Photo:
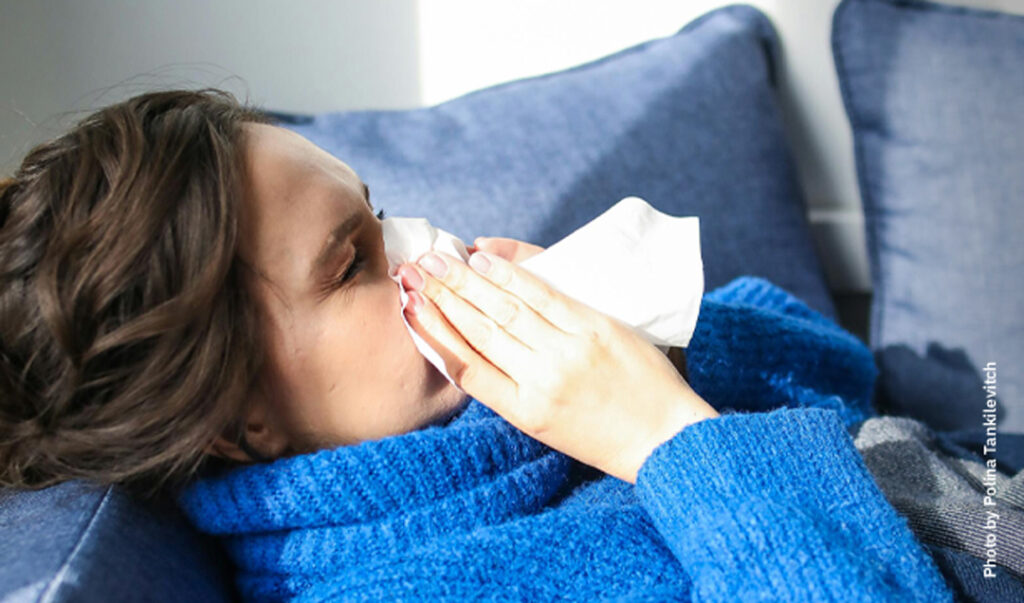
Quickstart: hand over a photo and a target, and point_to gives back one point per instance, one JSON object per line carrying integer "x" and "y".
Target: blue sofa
{"x": 83, "y": 542}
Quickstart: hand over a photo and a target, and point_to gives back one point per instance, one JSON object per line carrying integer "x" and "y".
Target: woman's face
{"x": 340, "y": 366}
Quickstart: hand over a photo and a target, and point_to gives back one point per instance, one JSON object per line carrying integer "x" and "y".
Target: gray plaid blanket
{"x": 953, "y": 503}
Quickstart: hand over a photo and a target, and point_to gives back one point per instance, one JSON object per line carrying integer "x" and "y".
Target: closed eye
{"x": 357, "y": 264}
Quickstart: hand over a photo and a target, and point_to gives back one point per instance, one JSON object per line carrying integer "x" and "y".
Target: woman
{"x": 196, "y": 301}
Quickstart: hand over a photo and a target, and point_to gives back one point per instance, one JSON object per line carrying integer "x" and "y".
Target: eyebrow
{"x": 338, "y": 236}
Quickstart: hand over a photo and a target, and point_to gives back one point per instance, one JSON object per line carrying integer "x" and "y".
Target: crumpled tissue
{"x": 633, "y": 263}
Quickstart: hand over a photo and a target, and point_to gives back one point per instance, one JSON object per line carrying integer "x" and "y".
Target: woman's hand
{"x": 560, "y": 371}
{"x": 517, "y": 251}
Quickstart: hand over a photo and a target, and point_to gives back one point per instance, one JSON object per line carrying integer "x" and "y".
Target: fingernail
{"x": 415, "y": 303}
{"x": 480, "y": 263}
{"x": 433, "y": 264}
{"x": 411, "y": 279}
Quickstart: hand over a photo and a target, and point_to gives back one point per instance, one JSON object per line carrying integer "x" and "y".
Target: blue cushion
{"x": 690, "y": 123}
{"x": 935, "y": 96}
{"x": 79, "y": 542}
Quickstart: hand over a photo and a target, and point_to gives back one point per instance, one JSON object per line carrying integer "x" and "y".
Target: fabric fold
{"x": 369, "y": 481}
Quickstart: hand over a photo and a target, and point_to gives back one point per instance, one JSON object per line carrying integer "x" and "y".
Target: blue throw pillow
{"x": 689, "y": 122}
{"x": 935, "y": 96}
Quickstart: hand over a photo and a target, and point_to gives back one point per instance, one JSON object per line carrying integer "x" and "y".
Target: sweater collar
{"x": 446, "y": 470}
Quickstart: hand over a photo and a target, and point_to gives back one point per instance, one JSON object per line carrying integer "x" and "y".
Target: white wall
{"x": 317, "y": 55}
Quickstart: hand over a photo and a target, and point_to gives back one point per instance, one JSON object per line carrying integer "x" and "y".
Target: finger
{"x": 560, "y": 310}
{"x": 512, "y": 250}
{"x": 506, "y": 310}
{"x": 501, "y": 247}
{"x": 470, "y": 371}
{"x": 490, "y": 340}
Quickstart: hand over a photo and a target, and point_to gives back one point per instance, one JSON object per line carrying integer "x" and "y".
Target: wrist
{"x": 690, "y": 410}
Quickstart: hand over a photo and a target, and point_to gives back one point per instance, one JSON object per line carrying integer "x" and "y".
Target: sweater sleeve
{"x": 780, "y": 506}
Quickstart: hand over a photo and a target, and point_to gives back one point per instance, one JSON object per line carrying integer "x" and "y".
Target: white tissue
{"x": 633, "y": 263}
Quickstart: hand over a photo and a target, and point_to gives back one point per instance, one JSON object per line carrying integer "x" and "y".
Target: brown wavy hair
{"x": 127, "y": 340}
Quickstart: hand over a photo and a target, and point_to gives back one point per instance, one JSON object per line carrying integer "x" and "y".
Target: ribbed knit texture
{"x": 769, "y": 505}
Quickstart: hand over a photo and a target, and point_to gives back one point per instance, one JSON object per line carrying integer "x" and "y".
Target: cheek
{"x": 365, "y": 351}
{"x": 376, "y": 328}
{"x": 292, "y": 369}
{"x": 390, "y": 314}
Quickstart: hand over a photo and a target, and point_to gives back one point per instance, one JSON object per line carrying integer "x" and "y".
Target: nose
{"x": 406, "y": 239}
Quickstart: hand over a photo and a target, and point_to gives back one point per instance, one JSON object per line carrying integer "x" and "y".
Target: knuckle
{"x": 507, "y": 312}
{"x": 601, "y": 335}
{"x": 502, "y": 274}
{"x": 543, "y": 298}
{"x": 588, "y": 341}
{"x": 456, "y": 277}
{"x": 442, "y": 297}
{"x": 541, "y": 302}
{"x": 479, "y": 334}
{"x": 595, "y": 338}
{"x": 584, "y": 351}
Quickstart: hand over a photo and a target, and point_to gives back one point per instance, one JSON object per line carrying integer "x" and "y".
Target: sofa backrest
{"x": 82, "y": 542}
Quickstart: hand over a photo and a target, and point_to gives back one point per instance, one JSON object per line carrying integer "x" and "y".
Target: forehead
{"x": 295, "y": 194}
{"x": 281, "y": 161}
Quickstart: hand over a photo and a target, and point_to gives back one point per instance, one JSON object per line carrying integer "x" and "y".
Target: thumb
{"x": 510, "y": 250}
{"x": 501, "y": 247}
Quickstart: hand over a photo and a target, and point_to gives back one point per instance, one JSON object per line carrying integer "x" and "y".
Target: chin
{"x": 448, "y": 399}
{"x": 436, "y": 382}
{"x": 461, "y": 400}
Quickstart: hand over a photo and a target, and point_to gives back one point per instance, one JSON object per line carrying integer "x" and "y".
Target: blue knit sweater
{"x": 769, "y": 501}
